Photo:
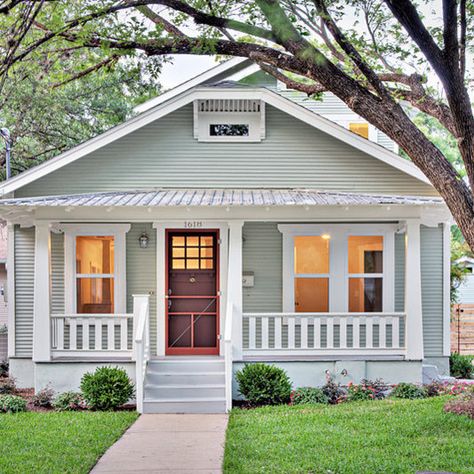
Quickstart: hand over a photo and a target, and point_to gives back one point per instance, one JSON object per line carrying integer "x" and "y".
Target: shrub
{"x": 460, "y": 366}
{"x": 367, "y": 390}
{"x": 305, "y": 395}
{"x": 334, "y": 392}
{"x": 461, "y": 407}
{"x": 435, "y": 389}
{"x": 7, "y": 385}
{"x": 263, "y": 384}
{"x": 44, "y": 398}
{"x": 68, "y": 401}
{"x": 4, "y": 367}
{"x": 409, "y": 391}
{"x": 12, "y": 404}
{"x": 107, "y": 388}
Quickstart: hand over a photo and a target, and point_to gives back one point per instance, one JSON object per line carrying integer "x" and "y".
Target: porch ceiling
{"x": 219, "y": 198}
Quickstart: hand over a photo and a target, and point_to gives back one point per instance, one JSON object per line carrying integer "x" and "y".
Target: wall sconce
{"x": 143, "y": 240}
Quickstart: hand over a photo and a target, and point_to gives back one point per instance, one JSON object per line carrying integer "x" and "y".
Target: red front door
{"x": 192, "y": 292}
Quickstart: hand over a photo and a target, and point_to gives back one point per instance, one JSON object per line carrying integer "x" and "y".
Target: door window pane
{"x": 365, "y": 254}
{"x": 94, "y": 254}
{"x": 311, "y": 255}
{"x": 311, "y": 295}
{"x": 95, "y": 295}
{"x": 365, "y": 295}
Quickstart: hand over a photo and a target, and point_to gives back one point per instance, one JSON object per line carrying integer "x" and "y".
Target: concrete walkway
{"x": 168, "y": 443}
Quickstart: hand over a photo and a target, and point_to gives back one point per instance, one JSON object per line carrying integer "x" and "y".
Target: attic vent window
{"x": 229, "y": 120}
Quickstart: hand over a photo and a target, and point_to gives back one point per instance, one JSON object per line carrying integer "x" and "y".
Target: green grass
{"x": 389, "y": 436}
{"x": 58, "y": 442}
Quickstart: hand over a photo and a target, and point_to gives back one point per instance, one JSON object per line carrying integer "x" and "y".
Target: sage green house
{"x": 229, "y": 221}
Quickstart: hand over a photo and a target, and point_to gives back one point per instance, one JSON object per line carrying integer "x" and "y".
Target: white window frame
{"x": 118, "y": 232}
{"x": 338, "y": 261}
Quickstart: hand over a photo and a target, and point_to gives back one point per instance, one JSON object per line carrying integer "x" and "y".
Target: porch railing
{"x": 324, "y": 333}
{"x": 92, "y": 333}
{"x": 141, "y": 313}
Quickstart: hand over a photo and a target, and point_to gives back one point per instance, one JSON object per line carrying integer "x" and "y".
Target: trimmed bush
{"x": 311, "y": 395}
{"x": 7, "y": 385}
{"x": 44, "y": 398}
{"x": 409, "y": 391}
{"x": 12, "y": 404}
{"x": 367, "y": 390}
{"x": 107, "y": 388}
{"x": 263, "y": 384}
{"x": 4, "y": 367}
{"x": 69, "y": 401}
{"x": 460, "y": 366}
{"x": 434, "y": 389}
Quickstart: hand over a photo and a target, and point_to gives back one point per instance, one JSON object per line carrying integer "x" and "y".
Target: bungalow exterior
{"x": 230, "y": 221}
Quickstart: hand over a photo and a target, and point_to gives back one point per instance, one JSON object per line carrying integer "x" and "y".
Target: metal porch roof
{"x": 220, "y": 197}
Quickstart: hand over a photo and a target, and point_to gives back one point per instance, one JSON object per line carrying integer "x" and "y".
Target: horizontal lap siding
{"x": 141, "y": 272}
{"x": 24, "y": 282}
{"x": 57, "y": 273}
{"x": 165, "y": 154}
{"x": 432, "y": 289}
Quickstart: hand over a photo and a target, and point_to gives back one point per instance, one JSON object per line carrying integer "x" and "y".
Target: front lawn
{"x": 388, "y": 436}
{"x": 68, "y": 442}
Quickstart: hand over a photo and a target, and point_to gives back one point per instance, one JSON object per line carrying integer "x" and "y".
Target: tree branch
{"x": 450, "y": 33}
{"x": 159, "y": 20}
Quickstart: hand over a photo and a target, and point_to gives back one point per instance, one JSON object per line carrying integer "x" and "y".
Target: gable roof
{"x": 182, "y": 96}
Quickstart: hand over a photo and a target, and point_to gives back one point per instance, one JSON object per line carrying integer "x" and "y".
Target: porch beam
{"x": 41, "y": 306}
{"x": 234, "y": 284}
{"x": 413, "y": 302}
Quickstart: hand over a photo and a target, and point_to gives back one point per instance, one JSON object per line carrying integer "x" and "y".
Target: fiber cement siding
{"x": 57, "y": 273}
{"x": 165, "y": 154}
{"x": 24, "y": 280}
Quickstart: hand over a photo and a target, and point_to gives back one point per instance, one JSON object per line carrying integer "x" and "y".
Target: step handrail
{"x": 141, "y": 314}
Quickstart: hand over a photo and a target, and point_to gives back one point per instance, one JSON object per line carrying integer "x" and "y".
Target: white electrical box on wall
{"x": 248, "y": 280}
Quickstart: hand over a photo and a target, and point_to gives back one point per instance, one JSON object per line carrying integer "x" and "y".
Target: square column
{"x": 413, "y": 303}
{"x": 41, "y": 306}
{"x": 234, "y": 285}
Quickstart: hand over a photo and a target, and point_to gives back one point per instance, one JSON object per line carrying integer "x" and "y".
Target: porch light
{"x": 325, "y": 236}
{"x": 143, "y": 240}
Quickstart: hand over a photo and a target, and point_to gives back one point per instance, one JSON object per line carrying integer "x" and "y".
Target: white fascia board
{"x": 346, "y": 136}
{"x": 193, "y": 82}
{"x": 270, "y": 97}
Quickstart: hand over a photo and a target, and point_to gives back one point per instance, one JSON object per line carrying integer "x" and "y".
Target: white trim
{"x": 11, "y": 289}
{"x": 339, "y": 275}
{"x": 161, "y": 227}
{"x": 446, "y": 289}
{"x": 118, "y": 231}
{"x": 270, "y": 97}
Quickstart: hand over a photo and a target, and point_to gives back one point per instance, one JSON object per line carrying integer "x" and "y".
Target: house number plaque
{"x": 193, "y": 224}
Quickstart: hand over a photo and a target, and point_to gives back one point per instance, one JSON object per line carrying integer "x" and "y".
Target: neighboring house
{"x": 228, "y": 222}
{"x": 465, "y": 293}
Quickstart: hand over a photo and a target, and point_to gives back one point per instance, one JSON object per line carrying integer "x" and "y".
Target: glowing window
{"x": 192, "y": 252}
{"x": 361, "y": 129}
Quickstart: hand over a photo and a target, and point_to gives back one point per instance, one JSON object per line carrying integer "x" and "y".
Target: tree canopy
{"x": 372, "y": 54}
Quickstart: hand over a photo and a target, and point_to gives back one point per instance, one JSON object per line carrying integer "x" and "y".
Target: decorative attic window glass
{"x": 361, "y": 129}
{"x": 229, "y": 120}
{"x": 229, "y": 130}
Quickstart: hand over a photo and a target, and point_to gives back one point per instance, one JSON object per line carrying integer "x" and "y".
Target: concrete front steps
{"x": 185, "y": 385}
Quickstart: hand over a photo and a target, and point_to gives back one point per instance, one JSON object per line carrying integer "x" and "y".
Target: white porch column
{"x": 234, "y": 284}
{"x": 413, "y": 305}
{"x": 41, "y": 309}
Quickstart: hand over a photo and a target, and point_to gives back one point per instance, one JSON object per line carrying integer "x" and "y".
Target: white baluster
{"x": 252, "y": 332}
{"x": 98, "y": 334}
{"x": 369, "y": 333}
{"x": 396, "y": 332}
{"x": 110, "y": 334}
{"x": 291, "y": 333}
{"x": 72, "y": 334}
{"x": 264, "y": 332}
{"x": 330, "y": 332}
{"x": 85, "y": 334}
{"x": 356, "y": 333}
{"x": 343, "y": 333}
{"x": 123, "y": 334}
{"x": 277, "y": 332}
{"x": 304, "y": 333}
{"x": 317, "y": 333}
{"x": 383, "y": 332}
{"x": 60, "y": 334}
